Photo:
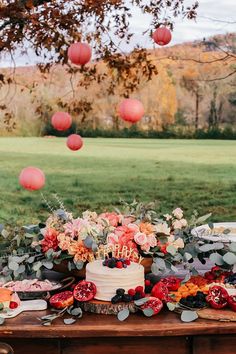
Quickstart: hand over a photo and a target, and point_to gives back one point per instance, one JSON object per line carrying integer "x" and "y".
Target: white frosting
{"x": 108, "y": 280}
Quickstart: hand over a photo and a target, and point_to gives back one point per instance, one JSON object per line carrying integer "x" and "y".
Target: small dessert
{"x": 8, "y": 299}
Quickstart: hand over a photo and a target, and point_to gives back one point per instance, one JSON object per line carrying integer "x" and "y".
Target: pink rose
{"x": 112, "y": 239}
{"x": 151, "y": 239}
{"x": 112, "y": 218}
{"x": 140, "y": 238}
{"x": 178, "y": 213}
{"x": 146, "y": 247}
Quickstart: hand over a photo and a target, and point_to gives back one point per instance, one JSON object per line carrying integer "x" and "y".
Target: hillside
{"x": 184, "y": 92}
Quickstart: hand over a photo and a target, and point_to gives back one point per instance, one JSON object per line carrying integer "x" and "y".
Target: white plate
{"x": 216, "y": 234}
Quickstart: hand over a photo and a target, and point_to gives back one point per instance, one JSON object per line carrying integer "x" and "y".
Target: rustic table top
{"x": 27, "y": 325}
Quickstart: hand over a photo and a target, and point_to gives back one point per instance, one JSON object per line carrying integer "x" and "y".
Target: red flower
{"x": 50, "y": 240}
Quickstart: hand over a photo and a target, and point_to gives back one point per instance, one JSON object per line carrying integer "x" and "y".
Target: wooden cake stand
{"x": 106, "y": 307}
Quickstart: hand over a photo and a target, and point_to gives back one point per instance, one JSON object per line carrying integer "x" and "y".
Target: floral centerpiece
{"x": 163, "y": 241}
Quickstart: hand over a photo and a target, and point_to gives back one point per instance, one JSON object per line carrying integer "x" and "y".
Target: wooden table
{"x": 104, "y": 334}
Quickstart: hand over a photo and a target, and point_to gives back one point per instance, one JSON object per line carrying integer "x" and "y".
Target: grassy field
{"x": 192, "y": 174}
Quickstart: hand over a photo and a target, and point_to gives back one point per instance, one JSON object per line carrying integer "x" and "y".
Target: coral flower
{"x": 50, "y": 240}
{"x": 146, "y": 228}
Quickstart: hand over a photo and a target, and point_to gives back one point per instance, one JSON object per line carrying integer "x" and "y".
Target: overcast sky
{"x": 210, "y": 21}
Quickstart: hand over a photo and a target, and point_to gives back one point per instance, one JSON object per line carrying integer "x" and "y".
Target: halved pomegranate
{"x": 154, "y": 303}
{"x": 84, "y": 291}
{"x": 62, "y": 300}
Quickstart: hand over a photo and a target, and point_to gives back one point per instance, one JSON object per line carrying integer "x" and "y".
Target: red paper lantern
{"x": 74, "y": 142}
{"x": 61, "y": 121}
{"x": 131, "y": 110}
{"x": 79, "y": 53}
{"x": 162, "y": 36}
{"x": 32, "y": 178}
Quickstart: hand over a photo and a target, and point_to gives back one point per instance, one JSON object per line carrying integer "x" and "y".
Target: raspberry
{"x": 131, "y": 292}
{"x": 147, "y": 282}
{"x": 13, "y": 305}
{"x": 119, "y": 264}
{"x": 142, "y": 294}
{"x": 139, "y": 289}
{"x": 127, "y": 261}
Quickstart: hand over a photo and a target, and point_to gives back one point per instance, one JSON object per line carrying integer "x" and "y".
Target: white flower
{"x": 184, "y": 222}
{"x": 162, "y": 228}
{"x": 167, "y": 217}
{"x": 178, "y": 243}
{"x": 178, "y": 213}
{"x": 177, "y": 225}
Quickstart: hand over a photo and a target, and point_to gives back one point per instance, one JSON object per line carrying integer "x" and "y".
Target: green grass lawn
{"x": 194, "y": 174}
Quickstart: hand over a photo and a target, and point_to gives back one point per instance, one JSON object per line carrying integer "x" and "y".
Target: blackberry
{"x": 148, "y": 289}
{"x": 111, "y": 263}
{"x": 116, "y": 299}
{"x": 120, "y": 292}
{"x": 127, "y": 298}
{"x": 137, "y": 296}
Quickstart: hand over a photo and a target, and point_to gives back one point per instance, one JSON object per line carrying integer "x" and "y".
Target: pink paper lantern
{"x": 79, "y": 53}
{"x": 61, "y": 121}
{"x": 162, "y": 36}
{"x": 74, "y": 142}
{"x": 131, "y": 110}
{"x": 32, "y": 178}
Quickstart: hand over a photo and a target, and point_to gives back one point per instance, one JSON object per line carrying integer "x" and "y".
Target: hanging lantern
{"x": 61, "y": 121}
{"x": 74, "y": 142}
{"x": 79, "y": 53}
{"x": 32, "y": 178}
{"x": 162, "y": 36}
{"x": 131, "y": 110}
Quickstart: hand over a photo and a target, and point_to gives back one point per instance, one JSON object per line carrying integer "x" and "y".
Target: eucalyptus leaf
{"x": 142, "y": 301}
{"x": 203, "y": 218}
{"x": 216, "y": 258}
{"x": 207, "y": 247}
{"x": 174, "y": 269}
{"x": 88, "y": 242}
{"x": 94, "y": 247}
{"x": 230, "y": 258}
{"x": 187, "y": 256}
{"x": 232, "y": 247}
{"x": 21, "y": 269}
{"x": 31, "y": 259}
{"x": 37, "y": 266}
{"x": 69, "y": 321}
{"x": 123, "y": 314}
{"x": 47, "y": 264}
{"x": 172, "y": 250}
{"x": 13, "y": 265}
{"x": 160, "y": 263}
{"x": 148, "y": 312}
{"x": 171, "y": 306}
{"x": 76, "y": 312}
{"x": 187, "y": 277}
{"x": 189, "y": 316}
{"x": 79, "y": 265}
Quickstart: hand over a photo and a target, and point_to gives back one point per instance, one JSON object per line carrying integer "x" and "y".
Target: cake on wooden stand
{"x": 114, "y": 278}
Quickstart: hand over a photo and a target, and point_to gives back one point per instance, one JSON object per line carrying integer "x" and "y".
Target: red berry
{"x": 147, "y": 282}
{"x": 139, "y": 289}
{"x": 131, "y": 292}
{"x": 13, "y": 305}
{"x": 127, "y": 261}
{"x": 119, "y": 264}
{"x": 142, "y": 294}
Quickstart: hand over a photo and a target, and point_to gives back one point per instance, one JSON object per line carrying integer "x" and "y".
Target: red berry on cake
{"x": 139, "y": 289}
{"x": 147, "y": 282}
{"x": 119, "y": 264}
{"x": 131, "y": 292}
{"x": 127, "y": 261}
{"x": 142, "y": 294}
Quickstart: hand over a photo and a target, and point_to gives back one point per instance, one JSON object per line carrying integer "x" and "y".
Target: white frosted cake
{"x": 108, "y": 280}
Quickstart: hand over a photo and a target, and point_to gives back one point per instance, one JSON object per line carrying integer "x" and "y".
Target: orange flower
{"x": 80, "y": 252}
{"x": 146, "y": 228}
